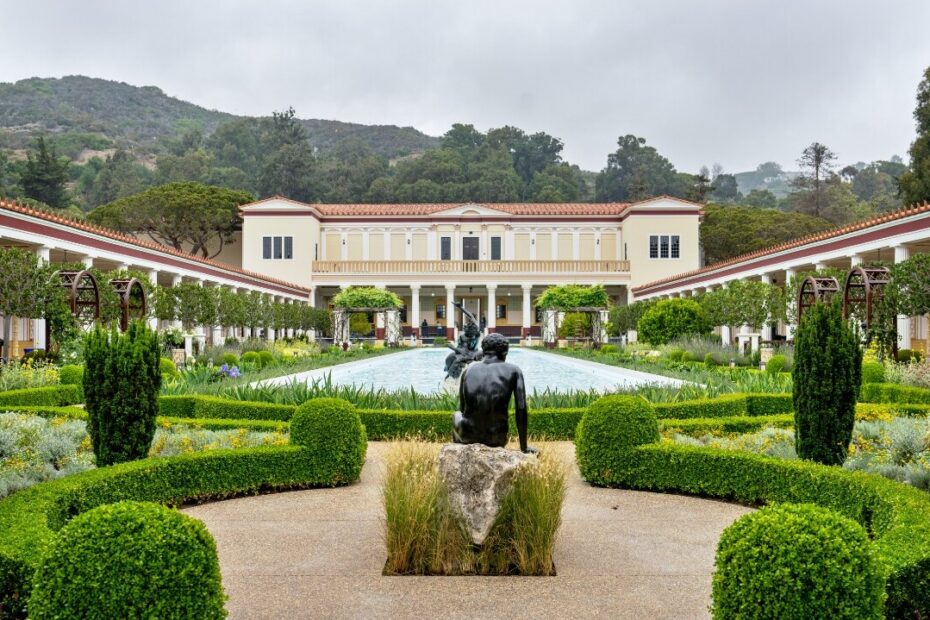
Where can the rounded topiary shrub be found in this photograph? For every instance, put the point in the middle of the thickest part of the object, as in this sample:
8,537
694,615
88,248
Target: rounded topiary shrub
610,428
873,372
265,358
251,357
332,431
797,561
230,359
776,364
168,367
129,560
71,374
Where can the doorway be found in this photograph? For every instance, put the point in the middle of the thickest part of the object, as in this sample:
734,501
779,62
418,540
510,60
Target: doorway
470,248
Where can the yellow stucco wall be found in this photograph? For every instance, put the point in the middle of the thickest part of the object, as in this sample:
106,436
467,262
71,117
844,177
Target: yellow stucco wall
376,246
398,246
609,246
521,246
586,247
636,231
303,229
565,246
543,246
354,243
419,246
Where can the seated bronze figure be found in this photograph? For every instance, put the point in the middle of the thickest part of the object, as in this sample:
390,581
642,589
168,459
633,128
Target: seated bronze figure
484,396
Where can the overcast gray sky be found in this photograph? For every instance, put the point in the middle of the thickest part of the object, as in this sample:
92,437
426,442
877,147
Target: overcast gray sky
730,81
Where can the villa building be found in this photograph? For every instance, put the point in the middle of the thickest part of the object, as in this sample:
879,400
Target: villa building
494,258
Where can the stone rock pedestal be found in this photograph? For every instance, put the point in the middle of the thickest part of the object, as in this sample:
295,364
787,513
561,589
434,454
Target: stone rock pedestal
477,478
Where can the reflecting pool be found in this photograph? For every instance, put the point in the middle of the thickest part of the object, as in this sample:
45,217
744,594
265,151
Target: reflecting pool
422,370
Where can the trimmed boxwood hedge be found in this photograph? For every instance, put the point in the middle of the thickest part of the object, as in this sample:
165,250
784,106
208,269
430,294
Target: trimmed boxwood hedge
734,424
728,405
896,516
200,406
48,396
893,393
29,518
870,411
129,560
796,561
223,424
75,413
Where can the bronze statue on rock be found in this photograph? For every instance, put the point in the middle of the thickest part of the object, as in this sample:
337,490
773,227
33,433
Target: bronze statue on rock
485,390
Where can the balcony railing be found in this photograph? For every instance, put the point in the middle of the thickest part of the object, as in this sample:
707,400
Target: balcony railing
470,266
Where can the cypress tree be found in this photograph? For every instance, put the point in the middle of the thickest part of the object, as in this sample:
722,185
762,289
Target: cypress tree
121,384
827,374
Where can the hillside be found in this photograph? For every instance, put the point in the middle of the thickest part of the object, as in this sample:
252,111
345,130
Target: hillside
96,114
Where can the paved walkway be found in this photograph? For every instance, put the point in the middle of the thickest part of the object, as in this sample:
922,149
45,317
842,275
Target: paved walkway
319,554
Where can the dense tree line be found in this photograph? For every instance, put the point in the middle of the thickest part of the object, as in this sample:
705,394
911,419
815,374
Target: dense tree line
243,158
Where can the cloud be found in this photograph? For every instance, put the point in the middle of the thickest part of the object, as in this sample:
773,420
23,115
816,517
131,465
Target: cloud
720,81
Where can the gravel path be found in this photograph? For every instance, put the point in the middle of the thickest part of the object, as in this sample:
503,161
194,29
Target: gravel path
319,554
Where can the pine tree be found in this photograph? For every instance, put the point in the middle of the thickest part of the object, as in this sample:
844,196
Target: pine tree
915,183
121,384
827,373
45,175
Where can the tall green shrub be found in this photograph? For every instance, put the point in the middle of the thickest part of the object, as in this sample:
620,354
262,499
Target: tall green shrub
122,378
671,318
827,374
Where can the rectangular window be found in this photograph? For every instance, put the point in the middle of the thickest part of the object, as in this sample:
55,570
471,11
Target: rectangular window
440,308
445,248
278,248
664,246
403,314
495,248
501,312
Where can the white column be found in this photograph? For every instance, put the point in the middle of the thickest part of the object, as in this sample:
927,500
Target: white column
88,262
450,309
767,326
492,307
790,274
176,282
855,260
408,246
597,245
386,236
901,254
554,244
344,246
270,330
527,309
366,238
483,252
44,254
379,316
457,243
533,245
576,245
153,280
508,244
820,266
414,314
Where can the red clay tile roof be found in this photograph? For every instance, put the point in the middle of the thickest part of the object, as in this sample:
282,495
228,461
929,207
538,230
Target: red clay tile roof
10,205
812,238
568,208
422,209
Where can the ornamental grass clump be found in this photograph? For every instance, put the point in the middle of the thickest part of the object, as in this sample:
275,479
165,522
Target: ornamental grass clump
122,378
424,537
827,374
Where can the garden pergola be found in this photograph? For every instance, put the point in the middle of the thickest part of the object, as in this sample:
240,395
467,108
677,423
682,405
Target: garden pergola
132,300
813,290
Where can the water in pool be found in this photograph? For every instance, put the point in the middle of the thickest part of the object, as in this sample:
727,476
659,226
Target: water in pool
422,370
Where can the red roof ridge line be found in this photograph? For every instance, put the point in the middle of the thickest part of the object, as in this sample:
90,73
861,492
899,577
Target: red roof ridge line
12,205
